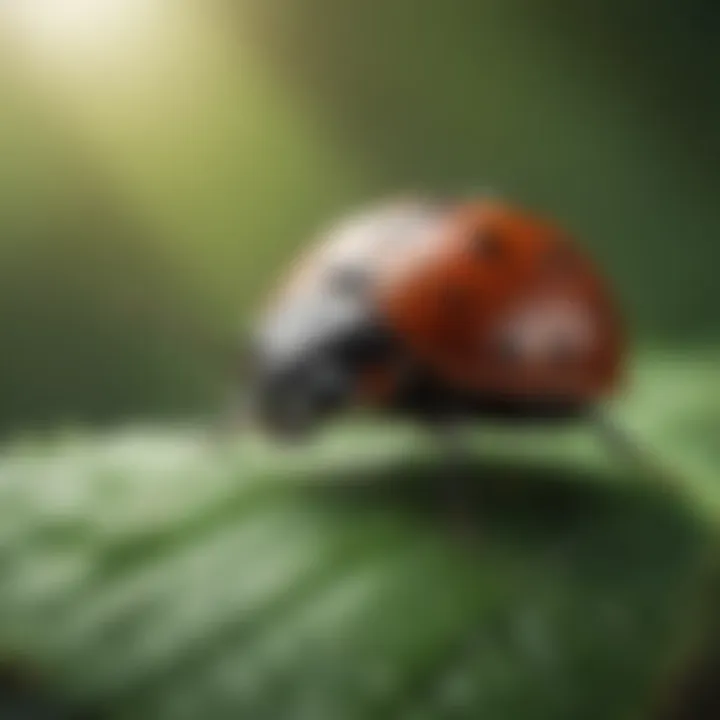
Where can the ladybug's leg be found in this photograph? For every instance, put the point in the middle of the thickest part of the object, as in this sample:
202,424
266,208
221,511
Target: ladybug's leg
456,479
650,467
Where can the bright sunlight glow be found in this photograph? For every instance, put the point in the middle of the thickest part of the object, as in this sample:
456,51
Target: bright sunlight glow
70,26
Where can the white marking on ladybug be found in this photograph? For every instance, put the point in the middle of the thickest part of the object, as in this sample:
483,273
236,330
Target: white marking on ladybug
538,330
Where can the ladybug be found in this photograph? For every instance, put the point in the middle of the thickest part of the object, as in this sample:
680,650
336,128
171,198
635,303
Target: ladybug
441,312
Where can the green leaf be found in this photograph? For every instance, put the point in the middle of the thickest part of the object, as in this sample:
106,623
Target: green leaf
156,576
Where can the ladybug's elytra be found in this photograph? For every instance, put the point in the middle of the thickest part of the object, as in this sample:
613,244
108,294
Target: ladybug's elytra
443,312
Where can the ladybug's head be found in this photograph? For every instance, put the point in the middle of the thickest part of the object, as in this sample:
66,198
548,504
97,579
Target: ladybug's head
306,361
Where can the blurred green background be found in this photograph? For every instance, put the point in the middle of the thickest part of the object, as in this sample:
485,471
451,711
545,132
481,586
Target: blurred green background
163,161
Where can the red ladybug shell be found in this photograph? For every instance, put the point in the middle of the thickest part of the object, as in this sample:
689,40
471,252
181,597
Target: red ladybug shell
506,303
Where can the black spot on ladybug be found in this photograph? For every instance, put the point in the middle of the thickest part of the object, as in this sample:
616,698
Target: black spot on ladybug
487,244
370,343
